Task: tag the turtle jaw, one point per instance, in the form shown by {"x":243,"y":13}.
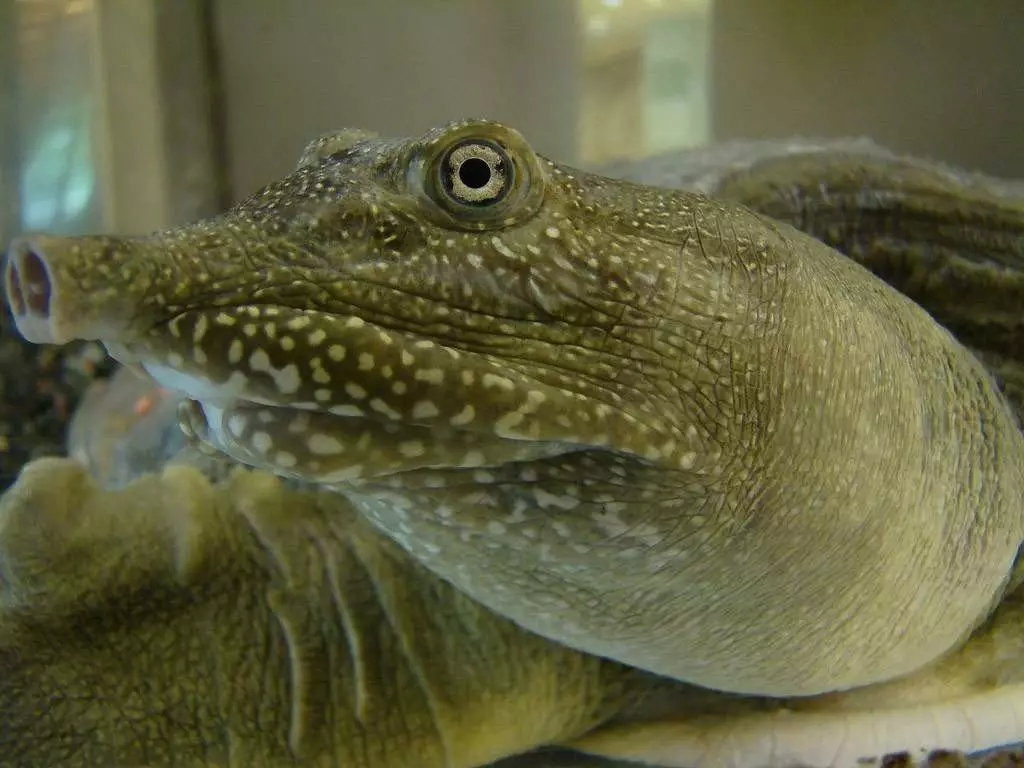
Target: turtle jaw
{"x":330,"y":398}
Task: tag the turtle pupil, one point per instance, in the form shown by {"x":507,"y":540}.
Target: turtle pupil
{"x":475,"y":173}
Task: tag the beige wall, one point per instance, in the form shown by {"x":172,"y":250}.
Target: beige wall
{"x":293,"y":70}
{"x":941,"y":78}
{"x":612,"y":108}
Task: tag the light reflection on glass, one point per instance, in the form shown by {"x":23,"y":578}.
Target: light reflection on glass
{"x":55,"y":100}
{"x":57,"y":181}
{"x":645,"y":77}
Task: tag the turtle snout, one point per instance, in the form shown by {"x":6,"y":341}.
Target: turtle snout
{"x":65,"y":288}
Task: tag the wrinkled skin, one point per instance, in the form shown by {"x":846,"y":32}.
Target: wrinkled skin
{"x":343,"y":651}
{"x":639,"y":423}
{"x":950,"y":240}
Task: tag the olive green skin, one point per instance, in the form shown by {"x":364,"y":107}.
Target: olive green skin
{"x":701,"y":443}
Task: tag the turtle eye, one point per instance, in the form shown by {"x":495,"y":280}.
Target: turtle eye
{"x":476,"y":173}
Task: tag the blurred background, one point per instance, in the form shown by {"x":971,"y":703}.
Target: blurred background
{"x":129,"y":115}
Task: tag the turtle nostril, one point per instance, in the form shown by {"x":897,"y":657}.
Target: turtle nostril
{"x":28,"y":284}
{"x":12,"y":285}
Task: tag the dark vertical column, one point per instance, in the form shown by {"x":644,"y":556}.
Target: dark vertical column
{"x":10,"y":150}
{"x":189,"y":77}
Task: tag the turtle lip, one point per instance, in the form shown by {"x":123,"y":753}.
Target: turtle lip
{"x":280,"y":356}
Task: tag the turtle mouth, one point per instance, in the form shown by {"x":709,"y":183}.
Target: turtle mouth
{"x":334,"y":398}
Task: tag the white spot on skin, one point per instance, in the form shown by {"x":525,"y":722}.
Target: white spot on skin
{"x":298,"y":323}
{"x":366,"y":361}
{"x":472,"y":459}
{"x":262,"y":442}
{"x":430,"y":375}
{"x":202,"y":325}
{"x":561,"y":529}
{"x":553,"y":232}
{"x":546,"y":499}
{"x":348,"y":473}
{"x":535,"y":397}
{"x":463,"y":417}
{"x":500,"y":247}
{"x":237,"y":424}
{"x":336,"y":352}
{"x":316,"y":338}
{"x":346,"y":410}
{"x":355,"y":391}
{"x":287,"y":343}
{"x":424,"y":409}
{"x":285,"y":459}
{"x":412,"y":448}
{"x":235,"y":351}
{"x":324,"y":445}
{"x":505,"y":426}
{"x":287,"y":379}
{"x":500,"y":382}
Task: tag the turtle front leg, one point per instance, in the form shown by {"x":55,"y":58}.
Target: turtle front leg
{"x":240,"y":624}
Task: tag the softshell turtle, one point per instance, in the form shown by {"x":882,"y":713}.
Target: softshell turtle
{"x":561,"y":460}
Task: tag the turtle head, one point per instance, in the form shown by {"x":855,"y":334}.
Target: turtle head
{"x":457,"y":286}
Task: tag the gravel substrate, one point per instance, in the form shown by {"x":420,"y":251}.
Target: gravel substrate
{"x":39,"y":389}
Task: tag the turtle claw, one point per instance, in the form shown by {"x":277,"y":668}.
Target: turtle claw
{"x":194,"y":427}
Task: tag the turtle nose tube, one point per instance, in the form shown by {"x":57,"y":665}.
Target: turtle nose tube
{"x":65,"y":288}
{"x":29,"y":288}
